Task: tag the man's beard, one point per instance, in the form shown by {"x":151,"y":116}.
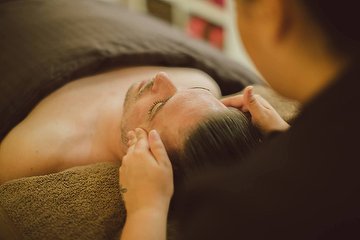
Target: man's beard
{"x":128,"y":98}
{"x":126,"y":105}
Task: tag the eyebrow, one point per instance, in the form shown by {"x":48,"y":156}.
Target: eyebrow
{"x":200,"y":88}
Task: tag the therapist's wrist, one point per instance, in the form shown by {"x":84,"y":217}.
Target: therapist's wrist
{"x":149,"y":212}
{"x":151,"y":205}
{"x":153,"y":221}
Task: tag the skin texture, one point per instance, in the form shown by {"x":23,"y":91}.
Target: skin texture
{"x":79,"y":124}
{"x":159,"y":104}
{"x":291,"y":52}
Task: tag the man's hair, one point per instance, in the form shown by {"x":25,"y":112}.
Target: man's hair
{"x":221,"y":139}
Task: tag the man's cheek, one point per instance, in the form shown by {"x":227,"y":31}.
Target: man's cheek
{"x":135,"y":118}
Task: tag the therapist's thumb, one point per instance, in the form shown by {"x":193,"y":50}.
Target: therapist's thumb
{"x":158,"y":149}
{"x":253,"y":104}
{"x":249,"y":98}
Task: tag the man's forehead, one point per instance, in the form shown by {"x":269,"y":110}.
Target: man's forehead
{"x":184,"y":111}
{"x":174,"y":126}
{"x":188,"y":106}
{"x":174,"y":133}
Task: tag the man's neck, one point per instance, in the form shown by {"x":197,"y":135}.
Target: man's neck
{"x":109,"y":133}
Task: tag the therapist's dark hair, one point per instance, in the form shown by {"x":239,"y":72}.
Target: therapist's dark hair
{"x":223,"y":138}
{"x":339,"y":21}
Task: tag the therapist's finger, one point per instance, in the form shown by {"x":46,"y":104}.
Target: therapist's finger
{"x":131,"y":136}
{"x":234,"y":101}
{"x":142,"y":140}
{"x":130,"y":149}
{"x":254,"y":103}
{"x":158,"y":149}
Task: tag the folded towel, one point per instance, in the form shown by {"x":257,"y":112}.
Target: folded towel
{"x":7,"y":229}
{"x":79,"y":203}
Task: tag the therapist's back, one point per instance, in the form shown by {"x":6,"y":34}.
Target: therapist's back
{"x":303,"y":183}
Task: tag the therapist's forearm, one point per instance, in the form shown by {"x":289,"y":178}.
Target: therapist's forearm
{"x":146,"y":224}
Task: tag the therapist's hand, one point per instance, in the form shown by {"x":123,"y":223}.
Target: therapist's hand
{"x":263,"y":115}
{"x":146,"y":173}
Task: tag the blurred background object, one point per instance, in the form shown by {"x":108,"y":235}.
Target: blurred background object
{"x":213,"y":21}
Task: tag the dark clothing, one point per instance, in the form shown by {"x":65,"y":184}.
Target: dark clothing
{"x":302,"y":184}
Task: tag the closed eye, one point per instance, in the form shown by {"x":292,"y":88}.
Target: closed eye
{"x":155,"y":107}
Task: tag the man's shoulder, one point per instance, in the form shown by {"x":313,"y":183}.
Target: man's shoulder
{"x":44,"y":148}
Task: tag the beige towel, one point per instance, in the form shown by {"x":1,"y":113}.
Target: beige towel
{"x":79,"y":203}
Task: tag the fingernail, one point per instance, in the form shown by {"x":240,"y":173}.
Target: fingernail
{"x":131,"y":142}
{"x":137,"y":132}
{"x":162,"y":75}
{"x":251,"y":94}
{"x":154,"y":135}
{"x":130,"y":135}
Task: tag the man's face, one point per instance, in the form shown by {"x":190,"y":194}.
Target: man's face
{"x":158,"y":104}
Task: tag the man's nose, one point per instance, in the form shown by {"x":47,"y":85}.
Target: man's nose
{"x":162,"y":83}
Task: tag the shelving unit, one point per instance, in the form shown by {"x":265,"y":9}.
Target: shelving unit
{"x":182,"y":11}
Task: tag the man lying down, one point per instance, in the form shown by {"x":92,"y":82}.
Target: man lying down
{"x":87,"y":121}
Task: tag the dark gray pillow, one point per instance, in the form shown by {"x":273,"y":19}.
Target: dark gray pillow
{"x":45,"y":44}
